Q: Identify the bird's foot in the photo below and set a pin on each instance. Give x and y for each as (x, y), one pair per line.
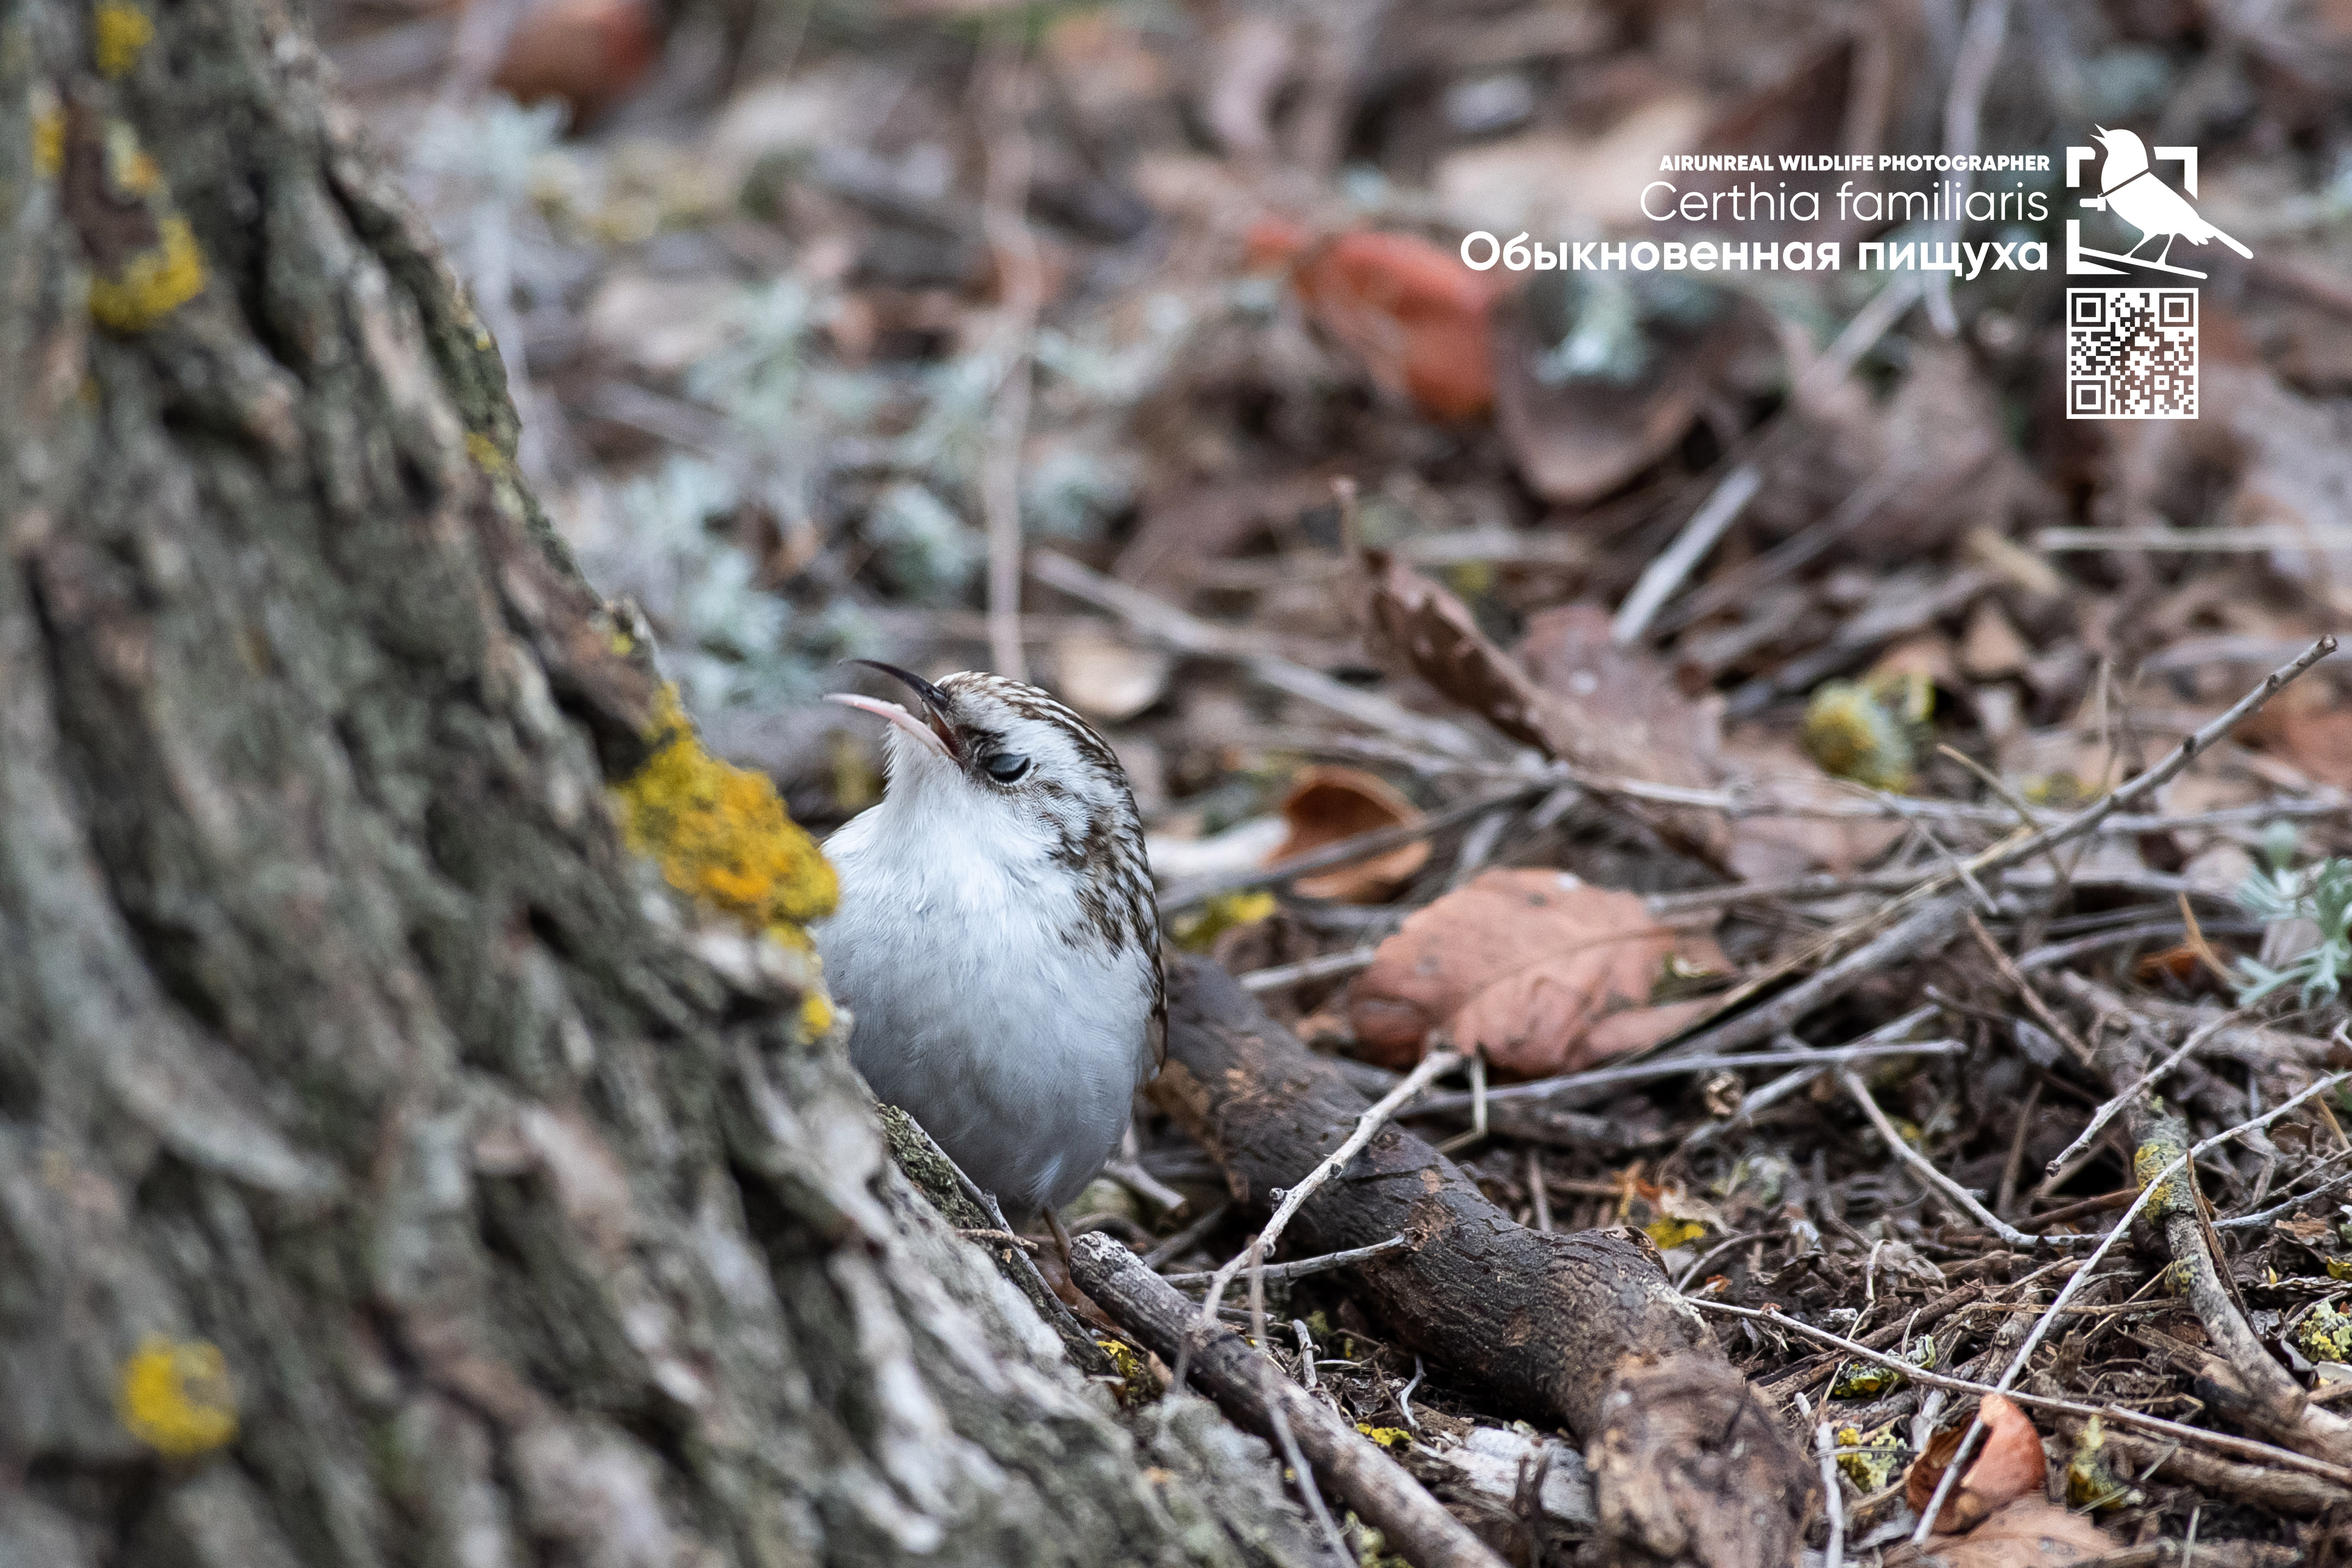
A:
(1061, 1237)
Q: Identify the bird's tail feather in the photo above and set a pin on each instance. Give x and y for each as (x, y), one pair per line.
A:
(2233, 245)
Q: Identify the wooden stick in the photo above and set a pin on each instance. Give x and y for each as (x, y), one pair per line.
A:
(1579, 1328)
(1347, 852)
(1644, 1072)
(1172, 628)
(1237, 1377)
(2159, 1187)
(1436, 1065)
(1281, 1273)
(1833, 1556)
(2114, 1415)
(1860, 1093)
(2130, 1092)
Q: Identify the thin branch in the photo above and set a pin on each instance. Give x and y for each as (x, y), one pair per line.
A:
(1172, 628)
(1308, 1490)
(1815, 1063)
(1184, 1240)
(1282, 976)
(2123, 1098)
(1347, 852)
(1834, 1556)
(2191, 748)
(2121, 1227)
(1679, 559)
(2033, 1000)
(1283, 1273)
(1980, 42)
(1644, 1072)
(2122, 1416)
(2333, 1183)
(1924, 931)
(1860, 1093)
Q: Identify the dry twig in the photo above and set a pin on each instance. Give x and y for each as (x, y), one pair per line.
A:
(2156, 1186)
(1007, 83)
(1249, 1388)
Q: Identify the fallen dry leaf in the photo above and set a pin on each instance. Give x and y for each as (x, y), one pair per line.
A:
(1415, 316)
(1432, 631)
(2008, 1464)
(590, 53)
(1577, 441)
(1666, 737)
(1328, 804)
(1992, 648)
(1106, 680)
(2028, 1533)
(1771, 772)
(1542, 970)
(2311, 734)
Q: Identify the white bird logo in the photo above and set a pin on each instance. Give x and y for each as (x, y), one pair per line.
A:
(2132, 191)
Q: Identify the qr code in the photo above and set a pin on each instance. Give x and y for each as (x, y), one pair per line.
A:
(2131, 353)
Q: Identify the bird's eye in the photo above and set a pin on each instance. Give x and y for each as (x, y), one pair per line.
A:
(1006, 767)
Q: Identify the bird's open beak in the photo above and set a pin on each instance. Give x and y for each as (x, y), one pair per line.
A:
(933, 730)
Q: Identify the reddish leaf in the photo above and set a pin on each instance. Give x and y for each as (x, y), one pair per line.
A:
(1328, 804)
(1583, 724)
(590, 53)
(1413, 315)
(2028, 1533)
(1543, 971)
(2008, 1465)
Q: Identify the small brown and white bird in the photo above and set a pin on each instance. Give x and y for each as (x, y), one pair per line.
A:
(997, 940)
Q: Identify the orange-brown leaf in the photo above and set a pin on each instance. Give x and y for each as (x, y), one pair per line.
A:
(2028, 1533)
(590, 53)
(1544, 973)
(2008, 1466)
(1607, 714)
(1328, 804)
(1411, 311)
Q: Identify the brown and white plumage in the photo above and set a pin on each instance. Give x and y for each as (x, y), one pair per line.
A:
(998, 940)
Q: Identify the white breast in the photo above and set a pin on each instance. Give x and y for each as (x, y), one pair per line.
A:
(1017, 1050)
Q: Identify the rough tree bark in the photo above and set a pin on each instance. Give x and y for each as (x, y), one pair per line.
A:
(392, 1171)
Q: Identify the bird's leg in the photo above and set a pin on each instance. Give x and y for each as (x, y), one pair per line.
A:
(2167, 248)
(1061, 1238)
(2142, 240)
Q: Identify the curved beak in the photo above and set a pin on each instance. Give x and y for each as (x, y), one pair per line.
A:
(933, 730)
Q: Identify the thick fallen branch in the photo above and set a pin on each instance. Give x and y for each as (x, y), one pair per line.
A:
(1224, 1366)
(1580, 1328)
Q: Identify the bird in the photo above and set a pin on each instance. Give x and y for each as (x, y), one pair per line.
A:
(997, 941)
(2133, 193)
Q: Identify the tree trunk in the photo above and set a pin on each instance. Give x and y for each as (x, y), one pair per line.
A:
(393, 1170)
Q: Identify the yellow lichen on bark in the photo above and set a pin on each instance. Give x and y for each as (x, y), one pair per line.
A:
(175, 1396)
(154, 283)
(720, 834)
(118, 33)
(48, 134)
